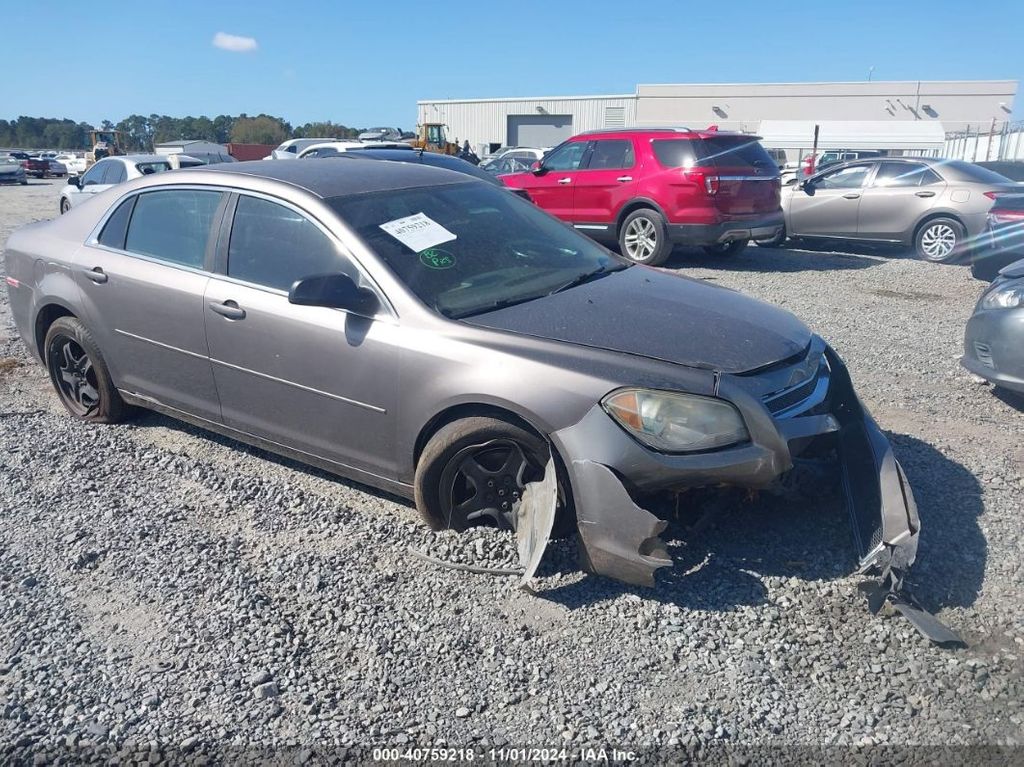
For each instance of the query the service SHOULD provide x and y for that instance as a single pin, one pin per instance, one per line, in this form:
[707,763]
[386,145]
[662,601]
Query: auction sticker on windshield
[417,232]
[436,258]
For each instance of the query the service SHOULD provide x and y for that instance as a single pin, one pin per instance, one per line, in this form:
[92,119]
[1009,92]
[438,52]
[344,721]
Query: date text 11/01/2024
[503,754]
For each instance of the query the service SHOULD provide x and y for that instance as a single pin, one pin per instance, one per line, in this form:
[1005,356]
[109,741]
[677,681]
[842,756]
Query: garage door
[538,130]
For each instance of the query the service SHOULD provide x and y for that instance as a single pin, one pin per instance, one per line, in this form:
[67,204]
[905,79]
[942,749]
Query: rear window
[968,171]
[740,152]
[146,168]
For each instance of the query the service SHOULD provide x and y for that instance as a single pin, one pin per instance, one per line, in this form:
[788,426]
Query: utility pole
[871,71]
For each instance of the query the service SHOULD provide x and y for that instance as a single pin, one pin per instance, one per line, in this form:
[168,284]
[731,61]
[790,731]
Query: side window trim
[223,242]
[93,239]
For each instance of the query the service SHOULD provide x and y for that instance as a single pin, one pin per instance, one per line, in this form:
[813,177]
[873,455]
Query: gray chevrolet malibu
[435,336]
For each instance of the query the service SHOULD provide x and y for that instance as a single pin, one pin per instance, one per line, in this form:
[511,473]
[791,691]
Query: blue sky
[366,63]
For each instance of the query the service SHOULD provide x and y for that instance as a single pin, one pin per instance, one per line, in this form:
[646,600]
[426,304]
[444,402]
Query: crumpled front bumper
[607,469]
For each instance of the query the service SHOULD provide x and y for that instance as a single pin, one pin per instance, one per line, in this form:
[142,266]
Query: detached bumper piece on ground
[619,539]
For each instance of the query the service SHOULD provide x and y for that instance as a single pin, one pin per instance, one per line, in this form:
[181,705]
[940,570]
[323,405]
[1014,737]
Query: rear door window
[273,246]
[173,225]
[116,228]
[675,153]
[608,154]
[904,174]
[566,157]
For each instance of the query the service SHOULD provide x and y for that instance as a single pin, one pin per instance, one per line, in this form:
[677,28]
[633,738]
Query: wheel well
[458,412]
[631,207]
[932,217]
[46,317]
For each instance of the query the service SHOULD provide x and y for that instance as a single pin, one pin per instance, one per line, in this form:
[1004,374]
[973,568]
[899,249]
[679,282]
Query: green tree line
[140,133]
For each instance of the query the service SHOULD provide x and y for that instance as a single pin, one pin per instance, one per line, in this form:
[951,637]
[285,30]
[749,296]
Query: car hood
[1016,269]
[661,316]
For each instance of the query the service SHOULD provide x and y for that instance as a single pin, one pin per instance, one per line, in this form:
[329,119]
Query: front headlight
[1007,296]
[676,423]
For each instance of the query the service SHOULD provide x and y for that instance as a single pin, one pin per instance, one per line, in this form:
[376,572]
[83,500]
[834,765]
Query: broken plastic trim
[619,538]
[535,518]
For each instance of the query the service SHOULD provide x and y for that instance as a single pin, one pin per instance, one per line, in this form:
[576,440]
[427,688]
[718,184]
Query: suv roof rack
[659,128]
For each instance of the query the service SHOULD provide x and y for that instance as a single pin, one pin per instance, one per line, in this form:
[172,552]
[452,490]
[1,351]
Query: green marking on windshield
[436,258]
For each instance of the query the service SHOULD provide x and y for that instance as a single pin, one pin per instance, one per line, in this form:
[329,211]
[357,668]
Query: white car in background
[108,172]
[331,148]
[514,159]
[289,150]
[73,163]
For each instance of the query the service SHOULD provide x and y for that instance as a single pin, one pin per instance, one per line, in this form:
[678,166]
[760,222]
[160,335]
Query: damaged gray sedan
[437,337]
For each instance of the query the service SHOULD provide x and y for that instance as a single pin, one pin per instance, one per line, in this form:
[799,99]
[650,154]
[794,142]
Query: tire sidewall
[448,442]
[663,247]
[958,249]
[65,206]
[111,407]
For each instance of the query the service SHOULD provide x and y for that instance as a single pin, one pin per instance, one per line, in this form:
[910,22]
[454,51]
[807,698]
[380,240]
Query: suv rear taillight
[809,165]
[990,195]
[701,178]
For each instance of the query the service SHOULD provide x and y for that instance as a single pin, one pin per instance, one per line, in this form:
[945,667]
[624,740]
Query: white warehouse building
[934,107]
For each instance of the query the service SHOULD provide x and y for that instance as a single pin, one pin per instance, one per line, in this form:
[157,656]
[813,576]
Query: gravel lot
[162,588]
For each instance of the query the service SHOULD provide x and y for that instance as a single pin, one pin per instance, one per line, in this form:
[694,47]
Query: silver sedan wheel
[938,242]
[641,239]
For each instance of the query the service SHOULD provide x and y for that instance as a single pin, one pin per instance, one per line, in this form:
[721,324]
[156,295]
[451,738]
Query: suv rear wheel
[726,248]
[643,237]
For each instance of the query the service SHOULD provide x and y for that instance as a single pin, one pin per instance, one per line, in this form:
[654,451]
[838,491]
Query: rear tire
[940,240]
[726,249]
[79,373]
[643,237]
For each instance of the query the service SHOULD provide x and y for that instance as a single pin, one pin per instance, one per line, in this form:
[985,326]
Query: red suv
[652,188]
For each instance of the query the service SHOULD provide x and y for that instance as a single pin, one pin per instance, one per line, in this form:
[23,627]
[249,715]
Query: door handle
[564,180]
[925,194]
[96,274]
[851,196]
[228,309]
[624,179]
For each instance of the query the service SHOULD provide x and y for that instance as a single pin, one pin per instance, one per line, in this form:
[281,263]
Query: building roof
[327,179]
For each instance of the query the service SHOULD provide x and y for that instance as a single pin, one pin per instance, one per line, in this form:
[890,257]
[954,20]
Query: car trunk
[748,178]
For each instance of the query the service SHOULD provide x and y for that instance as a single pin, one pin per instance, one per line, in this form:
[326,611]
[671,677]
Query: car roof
[659,132]
[327,178]
[136,158]
[424,158]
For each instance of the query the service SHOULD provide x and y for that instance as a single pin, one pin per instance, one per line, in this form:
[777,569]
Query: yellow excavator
[105,143]
[431,137]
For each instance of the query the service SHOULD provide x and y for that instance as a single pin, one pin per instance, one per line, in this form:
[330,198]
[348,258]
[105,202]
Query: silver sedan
[935,207]
[427,333]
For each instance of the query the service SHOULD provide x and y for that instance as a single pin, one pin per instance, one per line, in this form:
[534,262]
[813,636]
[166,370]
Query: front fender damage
[621,540]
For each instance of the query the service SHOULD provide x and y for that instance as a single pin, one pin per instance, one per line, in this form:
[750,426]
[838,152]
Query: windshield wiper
[501,303]
[580,279]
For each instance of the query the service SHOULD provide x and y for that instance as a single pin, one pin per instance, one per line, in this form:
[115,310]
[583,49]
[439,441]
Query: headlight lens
[1007,296]
[676,423]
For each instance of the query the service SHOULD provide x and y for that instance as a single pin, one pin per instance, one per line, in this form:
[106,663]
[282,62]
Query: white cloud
[234,43]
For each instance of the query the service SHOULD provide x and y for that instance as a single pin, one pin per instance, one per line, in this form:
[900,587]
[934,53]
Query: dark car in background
[651,189]
[1003,241]
[35,166]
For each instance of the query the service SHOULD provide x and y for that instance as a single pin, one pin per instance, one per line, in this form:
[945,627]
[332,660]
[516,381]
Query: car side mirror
[536,167]
[75,181]
[334,291]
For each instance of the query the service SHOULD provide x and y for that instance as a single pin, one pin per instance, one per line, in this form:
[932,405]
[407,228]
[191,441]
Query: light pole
[871,71]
